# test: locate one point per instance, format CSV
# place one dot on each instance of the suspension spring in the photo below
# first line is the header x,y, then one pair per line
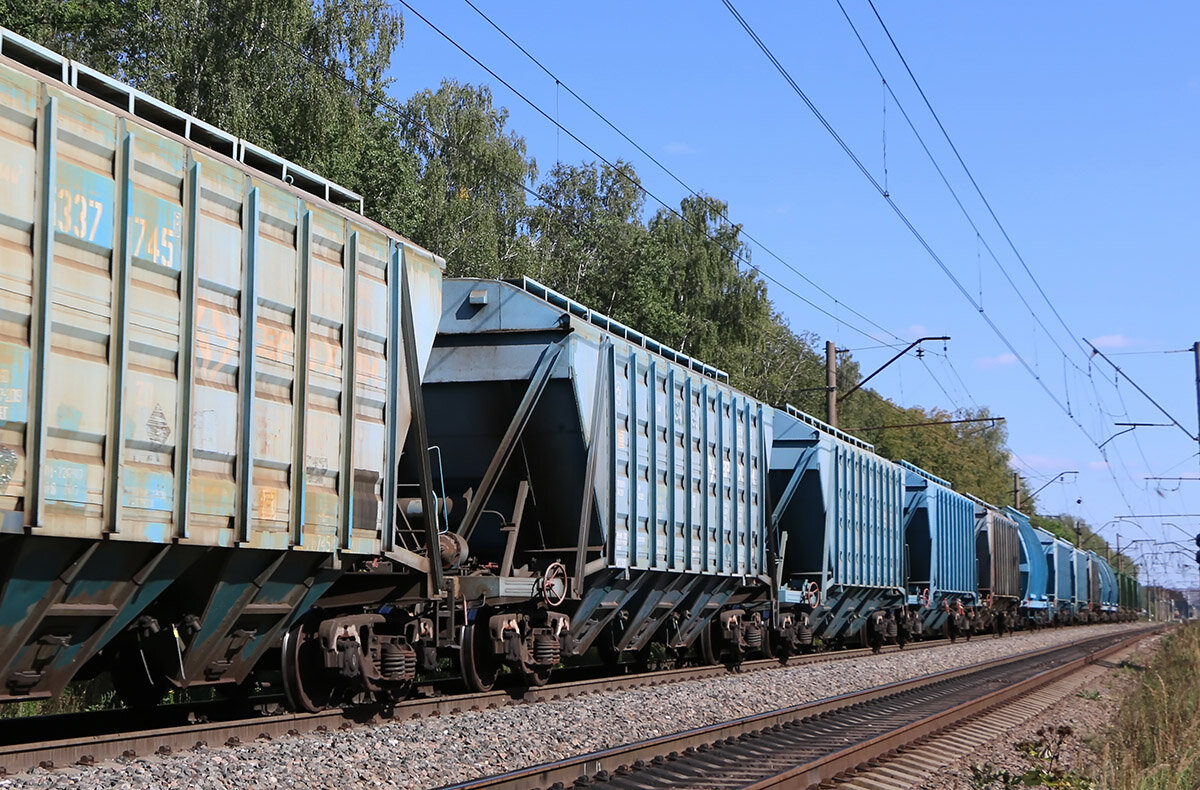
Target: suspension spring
x,y
545,650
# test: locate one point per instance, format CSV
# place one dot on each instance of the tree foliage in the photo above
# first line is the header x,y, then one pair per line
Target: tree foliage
x,y
307,80
472,175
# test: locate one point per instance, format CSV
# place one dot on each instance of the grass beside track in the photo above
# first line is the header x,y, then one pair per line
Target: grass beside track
x,y
1154,743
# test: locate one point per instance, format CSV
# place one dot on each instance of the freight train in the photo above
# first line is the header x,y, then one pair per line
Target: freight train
x,y
248,435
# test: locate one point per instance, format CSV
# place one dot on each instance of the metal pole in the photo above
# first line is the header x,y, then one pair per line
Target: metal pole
x,y
1118,557
860,384
1196,352
1016,490
831,398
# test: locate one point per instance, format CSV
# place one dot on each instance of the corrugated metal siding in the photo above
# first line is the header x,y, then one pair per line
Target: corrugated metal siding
x,y
865,519
688,475
954,541
1093,581
175,300
1079,561
1004,542
1064,580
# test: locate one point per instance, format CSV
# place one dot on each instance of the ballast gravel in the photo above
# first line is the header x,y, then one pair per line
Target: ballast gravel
x,y
1089,710
431,752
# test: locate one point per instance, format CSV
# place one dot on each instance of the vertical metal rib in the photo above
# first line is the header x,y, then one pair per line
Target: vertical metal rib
x,y
39,325
301,324
114,446
391,410
689,516
187,348
652,460
719,424
247,372
705,496
672,459
634,472
349,388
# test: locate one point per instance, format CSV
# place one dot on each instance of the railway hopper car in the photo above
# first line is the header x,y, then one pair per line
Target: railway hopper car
x,y
206,361
1083,587
247,434
1060,576
839,512
998,561
939,537
1034,610
1109,600
1087,575
1128,596
610,491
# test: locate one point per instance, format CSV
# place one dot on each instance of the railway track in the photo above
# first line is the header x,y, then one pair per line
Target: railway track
x,y
808,744
911,765
89,738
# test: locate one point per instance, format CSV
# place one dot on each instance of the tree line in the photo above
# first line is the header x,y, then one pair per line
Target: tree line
x,y
308,80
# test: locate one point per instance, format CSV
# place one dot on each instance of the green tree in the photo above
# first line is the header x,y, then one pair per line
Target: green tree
x,y
304,79
719,310
471,179
104,34
591,240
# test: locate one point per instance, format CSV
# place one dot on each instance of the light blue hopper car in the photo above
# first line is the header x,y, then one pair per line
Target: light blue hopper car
x,y
1108,601
1060,575
619,479
1034,607
1085,595
939,535
839,509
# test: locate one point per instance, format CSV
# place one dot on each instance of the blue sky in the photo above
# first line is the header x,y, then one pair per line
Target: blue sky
x,y
1077,120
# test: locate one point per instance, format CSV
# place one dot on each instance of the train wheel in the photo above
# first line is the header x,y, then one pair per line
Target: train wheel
x,y
478,663
304,685
768,643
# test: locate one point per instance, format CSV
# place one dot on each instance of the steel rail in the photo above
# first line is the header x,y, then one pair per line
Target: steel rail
x,y
611,765
851,757
910,766
93,748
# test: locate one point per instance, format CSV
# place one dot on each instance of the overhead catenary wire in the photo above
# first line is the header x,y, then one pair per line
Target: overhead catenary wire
x,y
386,101
974,184
980,240
677,179
901,215
543,199
970,176
1019,357
987,204
537,108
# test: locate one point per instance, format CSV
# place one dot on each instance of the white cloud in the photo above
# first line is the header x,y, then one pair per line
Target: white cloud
x,y
1001,361
679,148
1098,465
1113,341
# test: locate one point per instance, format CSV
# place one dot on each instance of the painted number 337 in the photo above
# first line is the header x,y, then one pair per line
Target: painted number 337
x,y
79,215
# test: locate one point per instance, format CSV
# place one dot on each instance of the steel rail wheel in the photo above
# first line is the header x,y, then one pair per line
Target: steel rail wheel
x,y
304,685
476,661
